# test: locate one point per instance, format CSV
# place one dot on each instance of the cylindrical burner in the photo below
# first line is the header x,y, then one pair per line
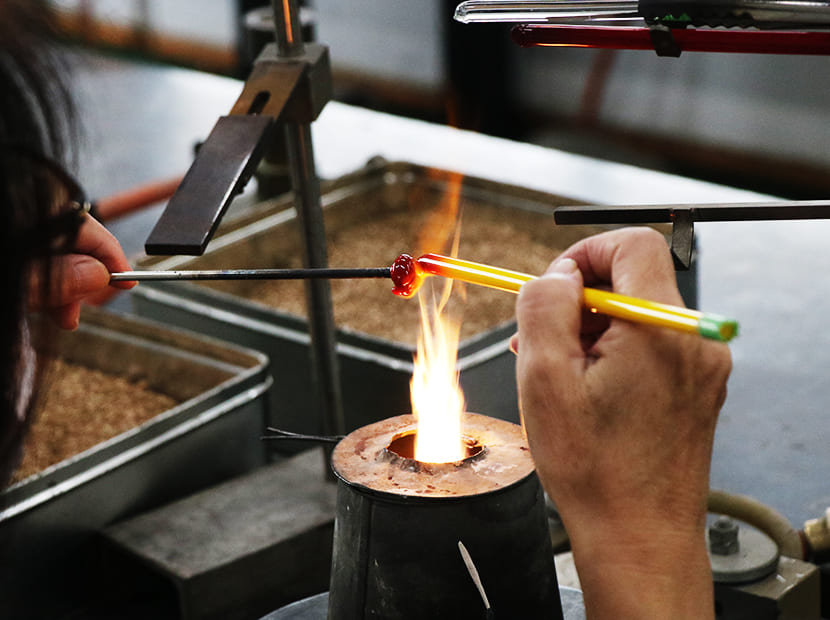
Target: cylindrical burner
x,y
399,522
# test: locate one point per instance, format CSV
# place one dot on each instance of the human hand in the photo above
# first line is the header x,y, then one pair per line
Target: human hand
x,y
80,275
620,418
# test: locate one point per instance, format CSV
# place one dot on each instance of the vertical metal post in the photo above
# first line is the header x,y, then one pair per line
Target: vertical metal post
x,y
310,215
318,292
287,25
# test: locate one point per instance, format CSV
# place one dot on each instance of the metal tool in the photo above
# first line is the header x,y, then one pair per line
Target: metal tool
x,y
328,273
683,217
669,27
287,89
776,14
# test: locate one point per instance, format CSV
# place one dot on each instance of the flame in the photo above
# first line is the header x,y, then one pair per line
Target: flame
x,y
437,399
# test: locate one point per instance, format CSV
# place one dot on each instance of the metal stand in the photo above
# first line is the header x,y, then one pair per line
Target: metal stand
x,y
683,217
286,90
309,212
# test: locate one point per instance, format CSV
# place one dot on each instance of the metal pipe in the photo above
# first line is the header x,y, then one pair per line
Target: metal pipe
x,y
765,518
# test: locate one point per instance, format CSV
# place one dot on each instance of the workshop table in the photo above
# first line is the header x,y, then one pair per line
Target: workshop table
x,y
143,120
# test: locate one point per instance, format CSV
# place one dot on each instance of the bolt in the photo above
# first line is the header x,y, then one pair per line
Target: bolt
x,y
723,536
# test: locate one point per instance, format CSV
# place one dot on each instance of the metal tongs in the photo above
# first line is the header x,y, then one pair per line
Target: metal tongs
x,y
667,26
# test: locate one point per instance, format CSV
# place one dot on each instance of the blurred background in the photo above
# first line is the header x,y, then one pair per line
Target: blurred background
x,y
753,121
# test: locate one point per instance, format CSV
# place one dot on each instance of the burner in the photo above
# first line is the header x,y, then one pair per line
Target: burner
x,y
400,521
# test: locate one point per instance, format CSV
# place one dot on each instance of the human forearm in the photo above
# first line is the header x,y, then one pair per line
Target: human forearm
x,y
643,570
621,419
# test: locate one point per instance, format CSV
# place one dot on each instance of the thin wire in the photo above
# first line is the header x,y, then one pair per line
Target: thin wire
x,y
283,435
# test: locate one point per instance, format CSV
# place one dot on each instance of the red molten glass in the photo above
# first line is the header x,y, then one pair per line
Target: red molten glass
x,y
406,277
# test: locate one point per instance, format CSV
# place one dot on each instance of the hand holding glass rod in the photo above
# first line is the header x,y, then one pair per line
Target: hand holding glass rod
x,y
408,273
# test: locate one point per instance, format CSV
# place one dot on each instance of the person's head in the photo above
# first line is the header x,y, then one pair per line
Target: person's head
x,y
35,130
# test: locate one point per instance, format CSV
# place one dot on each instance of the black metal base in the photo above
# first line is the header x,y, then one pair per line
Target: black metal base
x,y
316,607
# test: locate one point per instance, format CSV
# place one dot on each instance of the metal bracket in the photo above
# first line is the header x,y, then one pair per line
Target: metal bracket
x,y
682,238
293,89
663,41
683,217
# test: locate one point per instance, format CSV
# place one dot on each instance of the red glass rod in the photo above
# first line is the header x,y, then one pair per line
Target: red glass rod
x,y
687,39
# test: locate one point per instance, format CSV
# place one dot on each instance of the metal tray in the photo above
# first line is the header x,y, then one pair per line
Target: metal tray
x,y
375,371
48,521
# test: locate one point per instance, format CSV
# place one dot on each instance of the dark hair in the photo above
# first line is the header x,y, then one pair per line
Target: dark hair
x,y
36,123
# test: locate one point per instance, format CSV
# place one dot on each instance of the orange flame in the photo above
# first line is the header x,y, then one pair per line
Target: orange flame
x,y
437,399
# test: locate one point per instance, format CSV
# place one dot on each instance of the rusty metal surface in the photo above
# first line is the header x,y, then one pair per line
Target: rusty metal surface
x,y
361,459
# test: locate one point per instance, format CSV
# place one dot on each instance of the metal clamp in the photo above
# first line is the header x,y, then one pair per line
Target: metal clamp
x,y
663,41
288,88
682,218
682,239
293,89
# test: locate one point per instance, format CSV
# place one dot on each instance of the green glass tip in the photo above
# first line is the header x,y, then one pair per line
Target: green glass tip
x,y
717,327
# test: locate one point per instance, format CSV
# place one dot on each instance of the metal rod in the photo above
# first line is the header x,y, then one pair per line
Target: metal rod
x,y
543,11
318,292
332,273
287,27
716,212
282,435
306,188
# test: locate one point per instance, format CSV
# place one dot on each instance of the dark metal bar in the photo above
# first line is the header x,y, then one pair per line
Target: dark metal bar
x,y
225,163
333,273
725,212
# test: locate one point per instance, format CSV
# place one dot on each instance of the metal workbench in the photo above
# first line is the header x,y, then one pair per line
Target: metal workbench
x,y
143,120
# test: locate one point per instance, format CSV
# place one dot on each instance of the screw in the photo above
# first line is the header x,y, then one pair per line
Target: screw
x,y
723,536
